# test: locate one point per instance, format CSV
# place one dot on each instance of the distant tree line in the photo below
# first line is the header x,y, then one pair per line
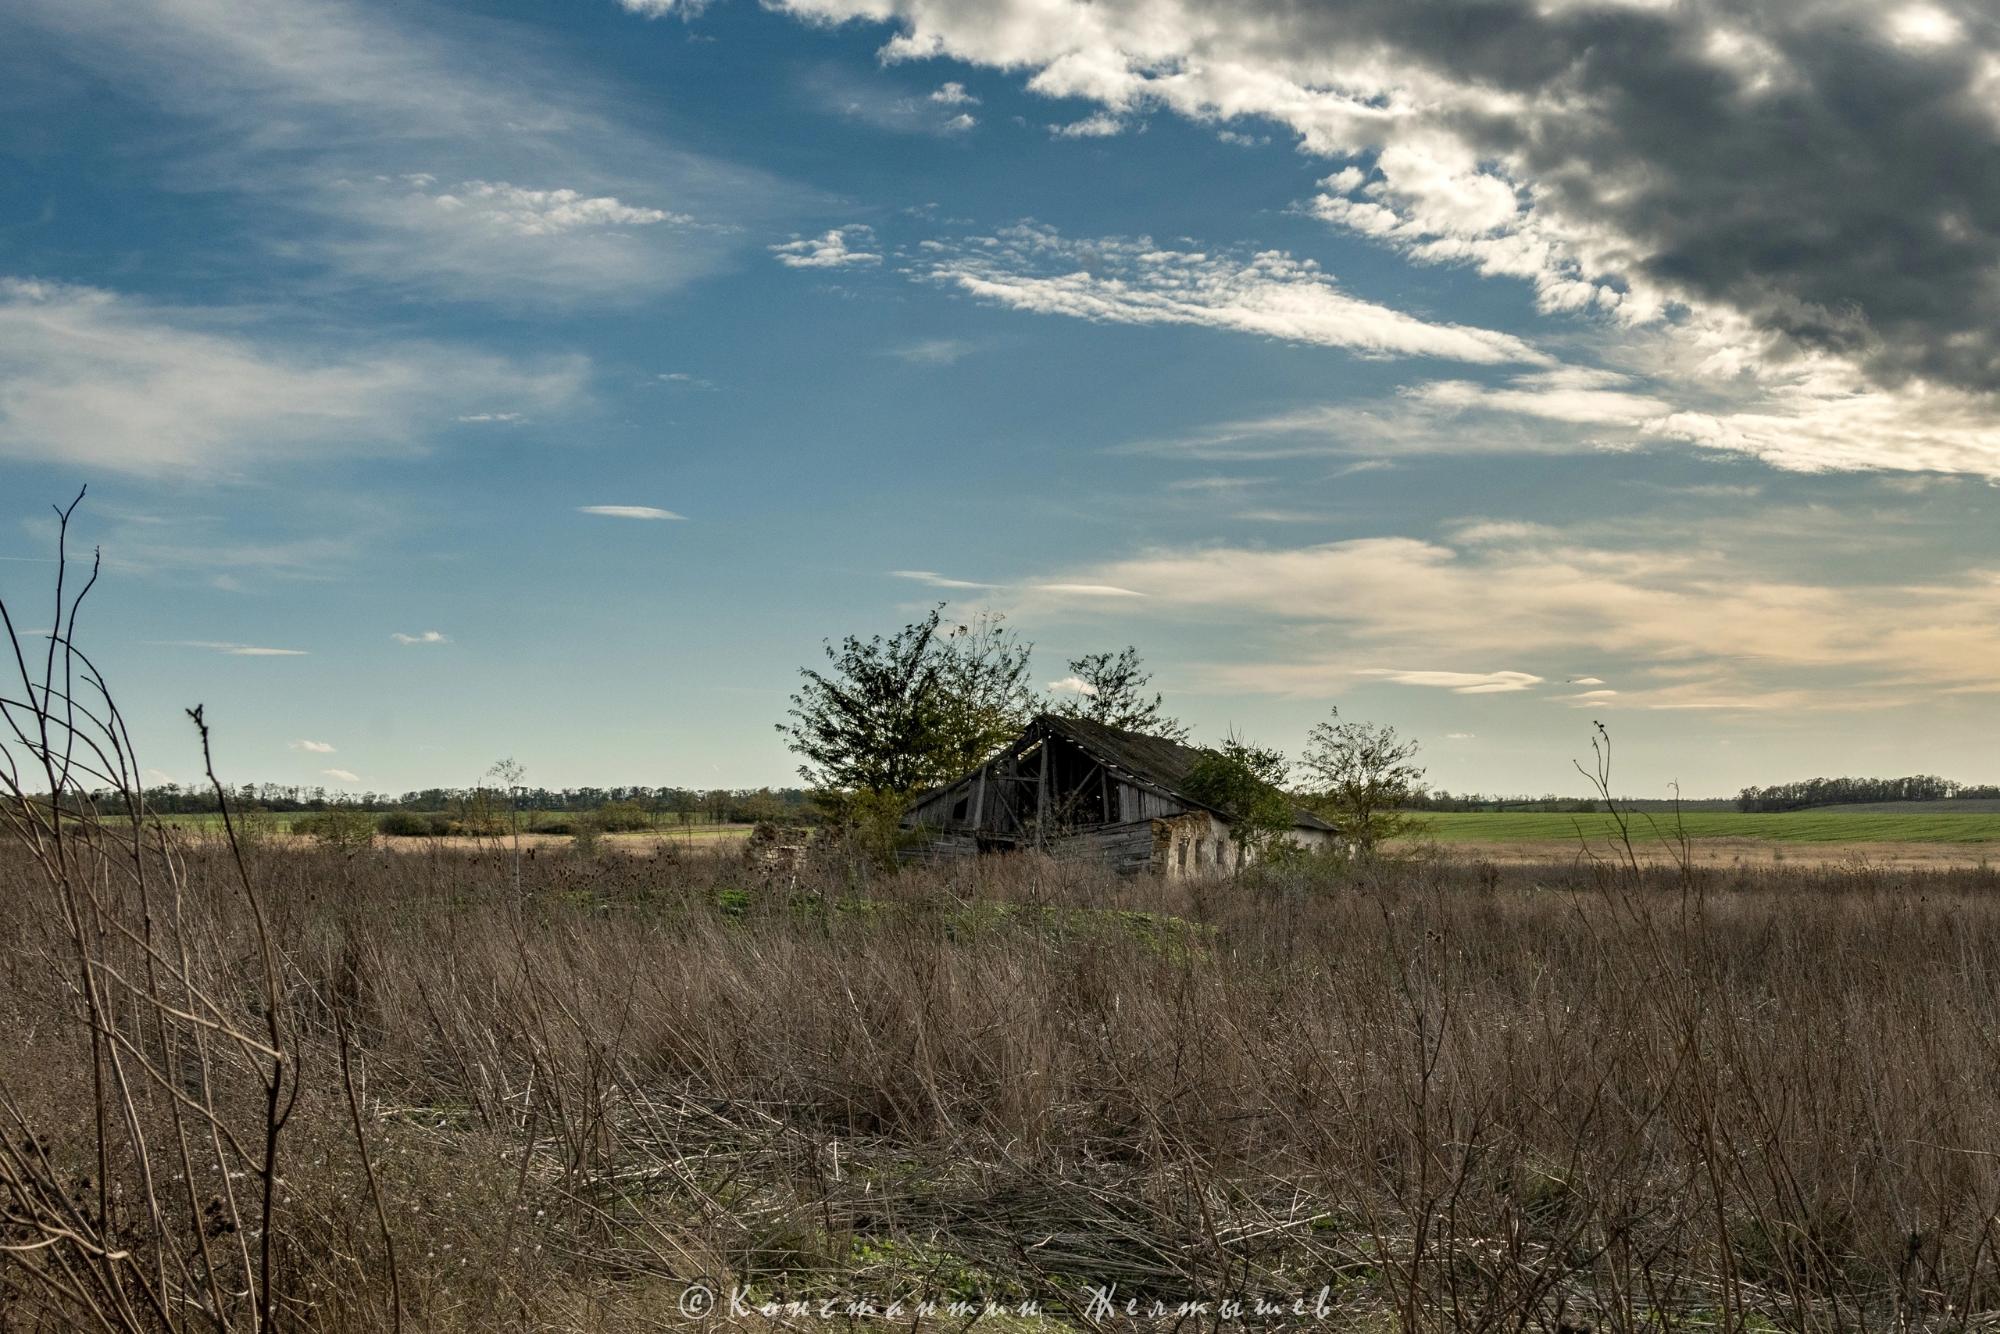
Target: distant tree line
x,y
1810,792
1554,803
661,805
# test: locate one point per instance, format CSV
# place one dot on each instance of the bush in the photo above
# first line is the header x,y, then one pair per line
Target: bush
x,y
623,817
405,824
342,828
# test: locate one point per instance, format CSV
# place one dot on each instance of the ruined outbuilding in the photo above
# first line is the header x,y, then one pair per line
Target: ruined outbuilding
x,y
1073,787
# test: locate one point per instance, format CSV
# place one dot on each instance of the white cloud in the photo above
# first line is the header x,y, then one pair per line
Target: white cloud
x,y
628,512
654,9
1584,681
509,418
1923,25
933,351
537,212
427,637
316,747
1569,394
683,380
1100,125
239,650
1460,736
954,95
1823,421
1695,623
1072,685
936,580
1811,417
93,379
830,250
342,775
1459,683
1088,590
1119,280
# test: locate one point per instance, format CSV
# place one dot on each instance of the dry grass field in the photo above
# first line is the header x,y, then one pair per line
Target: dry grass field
x,y
550,1094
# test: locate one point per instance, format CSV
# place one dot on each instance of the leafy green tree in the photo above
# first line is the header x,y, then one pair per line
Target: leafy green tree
x,y
897,714
1245,783
983,694
1110,688
1363,778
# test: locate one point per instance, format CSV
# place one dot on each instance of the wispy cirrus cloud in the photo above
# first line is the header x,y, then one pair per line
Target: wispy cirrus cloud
x,y
235,650
1123,280
1459,683
943,113
96,379
650,512
337,123
1702,625
932,579
1052,589
933,351
1084,590
427,637
314,747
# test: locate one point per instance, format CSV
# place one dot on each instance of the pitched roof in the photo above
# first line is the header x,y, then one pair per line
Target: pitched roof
x,y
1155,760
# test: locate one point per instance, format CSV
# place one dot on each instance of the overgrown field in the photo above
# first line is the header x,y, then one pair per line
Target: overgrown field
x,y
1905,822
549,1094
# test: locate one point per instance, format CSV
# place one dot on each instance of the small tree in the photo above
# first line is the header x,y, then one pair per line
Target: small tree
x,y
1362,778
898,714
507,774
1245,783
1110,688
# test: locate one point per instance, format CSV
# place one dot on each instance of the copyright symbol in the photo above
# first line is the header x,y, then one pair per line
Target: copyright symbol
x,y
698,1299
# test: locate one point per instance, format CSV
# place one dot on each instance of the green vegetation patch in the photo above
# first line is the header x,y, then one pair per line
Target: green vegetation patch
x,y
1825,825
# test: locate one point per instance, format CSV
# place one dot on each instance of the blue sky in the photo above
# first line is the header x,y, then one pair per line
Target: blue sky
x,y
457,381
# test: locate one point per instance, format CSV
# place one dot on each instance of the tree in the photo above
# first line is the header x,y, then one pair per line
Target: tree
x,y
983,692
1245,783
1110,688
1362,777
894,715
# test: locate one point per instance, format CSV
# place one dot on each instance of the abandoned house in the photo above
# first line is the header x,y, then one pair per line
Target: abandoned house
x,y
1074,787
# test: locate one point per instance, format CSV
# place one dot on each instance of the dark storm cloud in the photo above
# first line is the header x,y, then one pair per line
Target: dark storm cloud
x,y
1853,204
1831,171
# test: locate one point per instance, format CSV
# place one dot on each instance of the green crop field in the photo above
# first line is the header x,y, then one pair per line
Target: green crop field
x,y
1833,824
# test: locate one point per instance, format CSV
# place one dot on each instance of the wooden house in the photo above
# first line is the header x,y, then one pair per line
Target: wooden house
x,y
1070,786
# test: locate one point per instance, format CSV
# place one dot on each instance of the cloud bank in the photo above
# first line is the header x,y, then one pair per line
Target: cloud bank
x,y
1800,201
